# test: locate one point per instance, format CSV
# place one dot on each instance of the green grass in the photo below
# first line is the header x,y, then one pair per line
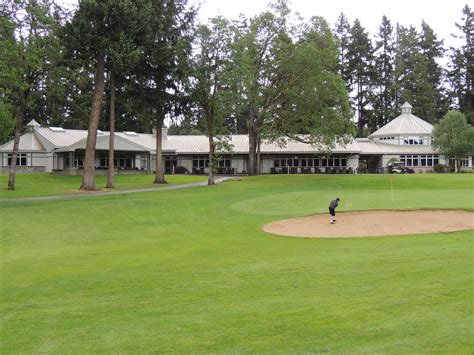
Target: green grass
x,y
191,271
30,185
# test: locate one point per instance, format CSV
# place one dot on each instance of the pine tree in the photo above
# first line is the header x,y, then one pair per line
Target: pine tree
x,y
360,60
342,33
383,94
418,75
461,73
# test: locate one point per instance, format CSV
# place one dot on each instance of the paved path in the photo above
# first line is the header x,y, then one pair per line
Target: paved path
x,y
118,192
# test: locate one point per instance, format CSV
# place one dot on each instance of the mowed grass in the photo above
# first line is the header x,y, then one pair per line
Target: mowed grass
x,y
191,271
31,185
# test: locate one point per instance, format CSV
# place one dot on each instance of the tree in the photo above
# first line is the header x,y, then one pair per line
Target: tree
x,y
382,97
258,47
454,137
461,73
342,34
162,67
30,49
313,105
207,82
360,61
418,75
87,38
126,29
105,33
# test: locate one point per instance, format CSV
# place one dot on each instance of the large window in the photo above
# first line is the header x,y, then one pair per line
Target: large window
x,y
124,161
463,162
424,160
309,161
21,159
224,162
200,161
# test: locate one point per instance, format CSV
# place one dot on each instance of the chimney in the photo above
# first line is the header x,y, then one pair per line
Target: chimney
x,y
164,133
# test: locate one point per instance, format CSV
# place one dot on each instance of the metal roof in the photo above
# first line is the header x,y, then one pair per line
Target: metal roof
x,y
368,146
43,139
405,124
62,138
28,143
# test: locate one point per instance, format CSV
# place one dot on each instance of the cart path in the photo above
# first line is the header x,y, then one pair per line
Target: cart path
x,y
118,192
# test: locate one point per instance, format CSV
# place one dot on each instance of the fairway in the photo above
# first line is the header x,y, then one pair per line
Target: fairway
x,y
192,270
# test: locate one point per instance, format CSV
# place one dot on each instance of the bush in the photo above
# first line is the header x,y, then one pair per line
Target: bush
x,y
181,170
439,168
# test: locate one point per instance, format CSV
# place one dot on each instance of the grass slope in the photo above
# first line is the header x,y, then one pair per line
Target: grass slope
x,y
191,271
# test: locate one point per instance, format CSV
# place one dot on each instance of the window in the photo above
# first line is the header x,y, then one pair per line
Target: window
x,y
79,159
463,162
104,161
419,160
413,140
224,162
200,161
124,161
21,159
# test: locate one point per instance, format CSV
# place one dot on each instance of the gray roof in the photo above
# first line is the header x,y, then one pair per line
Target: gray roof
x,y
28,143
63,140
405,124
368,146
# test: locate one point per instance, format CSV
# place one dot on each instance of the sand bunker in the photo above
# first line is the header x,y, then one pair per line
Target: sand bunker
x,y
373,223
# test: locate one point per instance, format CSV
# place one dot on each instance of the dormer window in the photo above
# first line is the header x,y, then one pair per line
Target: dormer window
x,y
413,140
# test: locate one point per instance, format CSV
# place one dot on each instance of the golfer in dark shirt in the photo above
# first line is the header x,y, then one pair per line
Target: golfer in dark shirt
x,y
332,209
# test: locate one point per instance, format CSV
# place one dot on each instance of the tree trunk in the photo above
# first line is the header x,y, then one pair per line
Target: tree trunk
x,y
252,148
88,182
210,180
257,161
159,174
111,167
456,165
16,142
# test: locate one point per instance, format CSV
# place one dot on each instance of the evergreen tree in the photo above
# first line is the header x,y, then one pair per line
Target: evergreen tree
x,y
461,74
433,102
383,93
418,75
342,32
162,68
360,60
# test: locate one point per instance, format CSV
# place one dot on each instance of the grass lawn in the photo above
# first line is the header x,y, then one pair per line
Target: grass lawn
x,y
191,271
29,185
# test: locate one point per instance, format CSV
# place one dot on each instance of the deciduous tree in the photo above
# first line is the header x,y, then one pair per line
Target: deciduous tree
x,y
454,137
29,50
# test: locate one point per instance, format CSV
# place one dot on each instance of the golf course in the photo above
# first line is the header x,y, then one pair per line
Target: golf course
x,y
192,271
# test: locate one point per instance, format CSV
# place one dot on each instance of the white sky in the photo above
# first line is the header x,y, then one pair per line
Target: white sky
x,y
440,15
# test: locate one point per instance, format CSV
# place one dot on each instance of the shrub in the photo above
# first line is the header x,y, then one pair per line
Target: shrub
x,y
181,170
439,168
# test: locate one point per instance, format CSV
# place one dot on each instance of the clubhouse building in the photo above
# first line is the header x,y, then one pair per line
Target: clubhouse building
x,y
53,149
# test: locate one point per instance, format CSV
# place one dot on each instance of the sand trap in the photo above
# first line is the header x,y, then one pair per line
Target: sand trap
x,y
373,223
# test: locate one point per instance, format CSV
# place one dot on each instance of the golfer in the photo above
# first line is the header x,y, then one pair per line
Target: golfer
x,y
332,209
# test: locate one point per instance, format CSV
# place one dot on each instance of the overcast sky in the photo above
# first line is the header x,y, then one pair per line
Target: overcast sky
x,y
441,15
